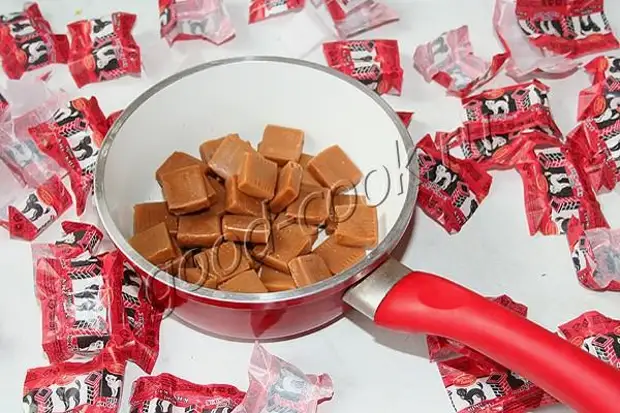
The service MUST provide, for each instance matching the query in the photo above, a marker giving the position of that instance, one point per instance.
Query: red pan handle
(422, 302)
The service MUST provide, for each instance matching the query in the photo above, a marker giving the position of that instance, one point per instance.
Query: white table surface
(373, 370)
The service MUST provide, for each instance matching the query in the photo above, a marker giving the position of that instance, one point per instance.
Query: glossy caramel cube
(185, 190)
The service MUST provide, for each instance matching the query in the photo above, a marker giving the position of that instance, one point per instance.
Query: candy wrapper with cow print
(28, 43)
(583, 258)
(30, 214)
(81, 305)
(450, 61)
(72, 138)
(167, 393)
(92, 387)
(525, 59)
(502, 144)
(263, 9)
(556, 190)
(375, 63)
(601, 102)
(603, 67)
(103, 49)
(597, 334)
(278, 386)
(572, 28)
(441, 348)
(195, 20)
(351, 17)
(142, 318)
(476, 387)
(450, 189)
(77, 238)
(605, 249)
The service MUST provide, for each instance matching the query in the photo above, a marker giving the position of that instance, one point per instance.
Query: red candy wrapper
(73, 138)
(441, 348)
(263, 9)
(195, 20)
(572, 28)
(78, 238)
(603, 67)
(278, 386)
(450, 61)
(351, 17)
(92, 387)
(525, 58)
(556, 190)
(112, 118)
(405, 117)
(476, 387)
(583, 256)
(450, 189)
(375, 63)
(167, 393)
(142, 318)
(81, 304)
(597, 334)
(103, 49)
(601, 102)
(27, 42)
(31, 215)
(605, 247)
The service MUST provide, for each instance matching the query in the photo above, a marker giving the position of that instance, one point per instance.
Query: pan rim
(344, 279)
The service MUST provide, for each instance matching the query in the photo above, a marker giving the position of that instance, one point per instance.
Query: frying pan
(243, 95)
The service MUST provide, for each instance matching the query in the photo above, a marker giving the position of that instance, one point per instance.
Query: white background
(373, 370)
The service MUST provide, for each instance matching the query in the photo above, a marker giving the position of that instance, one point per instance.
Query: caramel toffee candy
(307, 178)
(245, 282)
(243, 228)
(208, 148)
(239, 203)
(258, 176)
(338, 257)
(198, 230)
(281, 144)
(282, 221)
(228, 158)
(223, 261)
(198, 277)
(185, 190)
(155, 244)
(176, 161)
(288, 186)
(149, 214)
(360, 229)
(275, 280)
(218, 200)
(311, 206)
(350, 201)
(308, 269)
(287, 244)
(333, 169)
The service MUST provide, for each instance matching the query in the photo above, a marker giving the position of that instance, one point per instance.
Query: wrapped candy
(103, 49)
(603, 67)
(450, 189)
(112, 118)
(572, 28)
(601, 102)
(441, 348)
(525, 58)
(597, 334)
(81, 304)
(450, 61)
(278, 386)
(263, 9)
(556, 190)
(195, 20)
(167, 393)
(28, 43)
(351, 17)
(72, 138)
(583, 258)
(375, 63)
(33, 213)
(92, 387)
(605, 248)
(78, 238)
(474, 386)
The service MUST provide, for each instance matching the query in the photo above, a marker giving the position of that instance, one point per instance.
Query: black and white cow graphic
(70, 395)
(112, 385)
(66, 115)
(440, 50)
(464, 397)
(487, 146)
(584, 26)
(91, 344)
(561, 213)
(500, 106)
(467, 204)
(549, 27)
(443, 178)
(84, 149)
(21, 28)
(613, 145)
(580, 254)
(72, 239)
(106, 58)
(29, 403)
(612, 111)
(614, 66)
(559, 183)
(34, 206)
(12, 17)
(36, 51)
(101, 29)
(165, 17)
